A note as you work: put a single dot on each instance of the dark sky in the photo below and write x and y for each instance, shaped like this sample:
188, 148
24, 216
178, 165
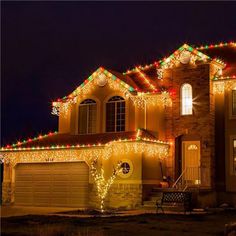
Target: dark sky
48, 48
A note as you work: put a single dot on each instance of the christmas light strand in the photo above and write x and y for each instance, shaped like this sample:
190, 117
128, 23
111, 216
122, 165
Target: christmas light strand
222, 85
158, 63
29, 140
168, 62
19, 143
146, 80
151, 149
103, 185
97, 73
220, 45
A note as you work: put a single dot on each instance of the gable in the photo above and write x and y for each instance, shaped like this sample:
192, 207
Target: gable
99, 78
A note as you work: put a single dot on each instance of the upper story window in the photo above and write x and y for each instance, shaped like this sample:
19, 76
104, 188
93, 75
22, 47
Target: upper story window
115, 114
186, 100
87, 117
234, 102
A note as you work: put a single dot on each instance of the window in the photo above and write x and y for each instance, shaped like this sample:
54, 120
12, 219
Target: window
115, 114
234, 156
87, 116
234, 102
125, 168
192, 147
186, 100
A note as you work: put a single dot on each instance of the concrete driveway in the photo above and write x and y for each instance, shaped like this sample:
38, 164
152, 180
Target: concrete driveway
7, 211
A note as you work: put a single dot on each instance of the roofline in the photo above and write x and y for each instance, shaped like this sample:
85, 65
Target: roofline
91, 78
78, 146
232, 43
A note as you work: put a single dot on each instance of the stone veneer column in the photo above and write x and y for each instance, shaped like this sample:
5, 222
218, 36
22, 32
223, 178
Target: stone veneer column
7, 185
125, 196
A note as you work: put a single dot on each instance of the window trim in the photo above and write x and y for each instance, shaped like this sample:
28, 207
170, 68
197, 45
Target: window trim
127, 175
105, 115
87, 111
181, 99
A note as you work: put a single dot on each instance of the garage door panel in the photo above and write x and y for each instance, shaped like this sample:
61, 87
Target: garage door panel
42, 188
77, 176
22, 189
40, 177
41, 202
60, 190
24, 183
60, 177
24, 177
52, 184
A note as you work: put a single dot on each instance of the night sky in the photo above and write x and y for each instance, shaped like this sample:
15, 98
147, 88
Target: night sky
49, 48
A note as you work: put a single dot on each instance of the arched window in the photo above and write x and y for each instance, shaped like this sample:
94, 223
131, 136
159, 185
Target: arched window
115, 114
87, 116
186, 100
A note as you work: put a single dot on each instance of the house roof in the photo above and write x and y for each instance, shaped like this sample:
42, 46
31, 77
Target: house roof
80, 140
151, 79
225, 53
145, 79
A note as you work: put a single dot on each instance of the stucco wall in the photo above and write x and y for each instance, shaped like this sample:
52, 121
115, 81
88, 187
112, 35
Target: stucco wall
68, 123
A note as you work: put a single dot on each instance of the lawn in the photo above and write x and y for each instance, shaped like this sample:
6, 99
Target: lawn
146, 224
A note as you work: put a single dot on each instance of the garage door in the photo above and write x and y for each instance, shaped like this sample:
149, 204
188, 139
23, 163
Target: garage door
52, 184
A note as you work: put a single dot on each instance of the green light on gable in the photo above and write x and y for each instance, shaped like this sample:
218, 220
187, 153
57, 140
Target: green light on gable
131, 89
190, 49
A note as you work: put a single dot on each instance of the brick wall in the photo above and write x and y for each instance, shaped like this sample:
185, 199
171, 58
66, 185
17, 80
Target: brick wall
200, 125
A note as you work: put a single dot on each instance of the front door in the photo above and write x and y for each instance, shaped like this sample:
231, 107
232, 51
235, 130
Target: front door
191, 162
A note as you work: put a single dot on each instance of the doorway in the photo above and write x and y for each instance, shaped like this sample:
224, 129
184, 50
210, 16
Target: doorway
191, 162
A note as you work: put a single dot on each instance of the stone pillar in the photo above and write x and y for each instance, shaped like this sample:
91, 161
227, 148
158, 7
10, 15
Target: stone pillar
7, 185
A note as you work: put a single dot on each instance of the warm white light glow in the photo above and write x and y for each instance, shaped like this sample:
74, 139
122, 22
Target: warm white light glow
186, 100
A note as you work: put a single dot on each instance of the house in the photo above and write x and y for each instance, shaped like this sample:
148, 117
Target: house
120, 134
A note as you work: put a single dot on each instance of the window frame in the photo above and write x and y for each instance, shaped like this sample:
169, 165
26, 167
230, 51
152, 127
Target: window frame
88, 105
115, 102
131, 169
182, 99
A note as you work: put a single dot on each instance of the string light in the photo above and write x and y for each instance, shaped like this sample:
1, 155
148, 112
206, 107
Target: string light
224, 84
63, 105
90, 154
152, 99
220, 45
29, 140
157, 64
146, 80
101, 183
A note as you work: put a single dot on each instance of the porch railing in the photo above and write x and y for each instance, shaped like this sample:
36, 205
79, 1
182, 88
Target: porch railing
190, 176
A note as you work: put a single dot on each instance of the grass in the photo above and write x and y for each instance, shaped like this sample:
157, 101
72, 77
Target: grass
147, 224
